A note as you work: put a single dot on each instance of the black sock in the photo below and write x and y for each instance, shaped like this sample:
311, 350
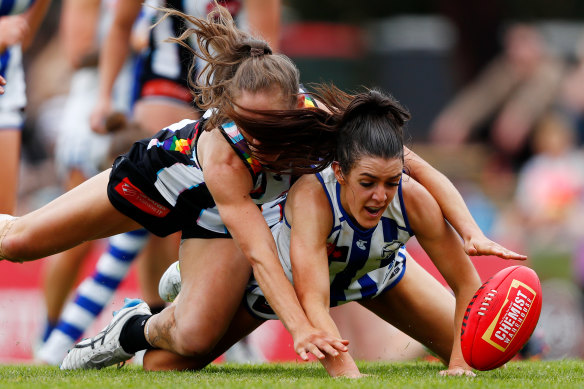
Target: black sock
132, 337
157, 308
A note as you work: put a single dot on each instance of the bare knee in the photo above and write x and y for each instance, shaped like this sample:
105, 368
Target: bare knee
183, 333
194, 340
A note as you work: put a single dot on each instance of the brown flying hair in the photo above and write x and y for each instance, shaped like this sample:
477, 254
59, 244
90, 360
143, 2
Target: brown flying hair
235, 62
306, 140
345, 128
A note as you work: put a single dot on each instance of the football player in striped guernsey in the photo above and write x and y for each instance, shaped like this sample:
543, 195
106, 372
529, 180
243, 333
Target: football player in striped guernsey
19, 21
208, 179
343, 239
344, 235
81, 151
213, 181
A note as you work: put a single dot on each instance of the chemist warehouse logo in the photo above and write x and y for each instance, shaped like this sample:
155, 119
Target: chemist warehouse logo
511, 317
140, 200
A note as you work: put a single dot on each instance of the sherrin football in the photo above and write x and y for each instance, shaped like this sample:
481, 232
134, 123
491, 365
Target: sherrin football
501, 317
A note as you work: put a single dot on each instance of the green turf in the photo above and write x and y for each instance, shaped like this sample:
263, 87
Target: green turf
556, 374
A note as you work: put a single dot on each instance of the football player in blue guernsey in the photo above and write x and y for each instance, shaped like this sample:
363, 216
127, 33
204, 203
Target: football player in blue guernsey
343, 239
344, 234
220, 184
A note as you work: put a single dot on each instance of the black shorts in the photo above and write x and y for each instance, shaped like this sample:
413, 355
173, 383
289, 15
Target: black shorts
159, 184
131, 191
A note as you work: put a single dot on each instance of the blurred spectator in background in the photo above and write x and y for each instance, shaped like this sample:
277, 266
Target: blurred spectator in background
571, 104
551, 183
505, 102
16, 34
571, 98
477, 22
546, 214
549, 197
80, 153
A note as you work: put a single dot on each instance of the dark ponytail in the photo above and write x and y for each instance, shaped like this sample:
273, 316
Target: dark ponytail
372, 125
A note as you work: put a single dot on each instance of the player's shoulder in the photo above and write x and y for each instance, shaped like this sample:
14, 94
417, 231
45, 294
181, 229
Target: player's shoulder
308, 206
307, 193
420, 205
307, 182
215, 153
414, 194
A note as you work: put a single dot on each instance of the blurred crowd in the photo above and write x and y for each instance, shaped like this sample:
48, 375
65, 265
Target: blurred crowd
525, 112
516, 132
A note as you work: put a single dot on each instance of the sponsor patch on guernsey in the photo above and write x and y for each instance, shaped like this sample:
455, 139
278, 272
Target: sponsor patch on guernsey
140, 200
511, 316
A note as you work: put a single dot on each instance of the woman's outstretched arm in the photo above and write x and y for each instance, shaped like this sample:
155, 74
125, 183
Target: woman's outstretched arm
229, 183
454, 209
309, 213
443, 246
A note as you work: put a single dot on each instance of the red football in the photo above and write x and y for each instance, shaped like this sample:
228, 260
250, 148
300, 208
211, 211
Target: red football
501, 317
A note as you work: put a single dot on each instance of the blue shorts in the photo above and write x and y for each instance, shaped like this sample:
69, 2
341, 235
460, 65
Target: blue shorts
13, 101
257, 305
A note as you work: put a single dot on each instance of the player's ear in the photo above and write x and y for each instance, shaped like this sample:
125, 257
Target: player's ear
338, 172
300, 100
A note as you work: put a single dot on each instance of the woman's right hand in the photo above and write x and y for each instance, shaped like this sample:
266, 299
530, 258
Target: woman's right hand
317, 342
99, 114
13, 30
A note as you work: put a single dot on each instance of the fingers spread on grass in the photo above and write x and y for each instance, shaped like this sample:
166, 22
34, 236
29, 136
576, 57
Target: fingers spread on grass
316, 351
303, 355
457, 372
327, 348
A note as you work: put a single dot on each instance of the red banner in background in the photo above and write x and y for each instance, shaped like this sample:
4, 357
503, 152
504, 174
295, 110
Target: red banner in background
22, 310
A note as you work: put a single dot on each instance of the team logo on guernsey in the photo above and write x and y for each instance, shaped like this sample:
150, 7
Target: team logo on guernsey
337, 254
389, 249
140, 200
361, 244
511, 316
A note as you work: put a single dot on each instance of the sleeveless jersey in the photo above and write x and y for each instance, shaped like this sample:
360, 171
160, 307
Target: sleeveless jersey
362, 263
160, 184
180, 178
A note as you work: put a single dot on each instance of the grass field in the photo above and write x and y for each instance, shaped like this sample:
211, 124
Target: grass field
554, 374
